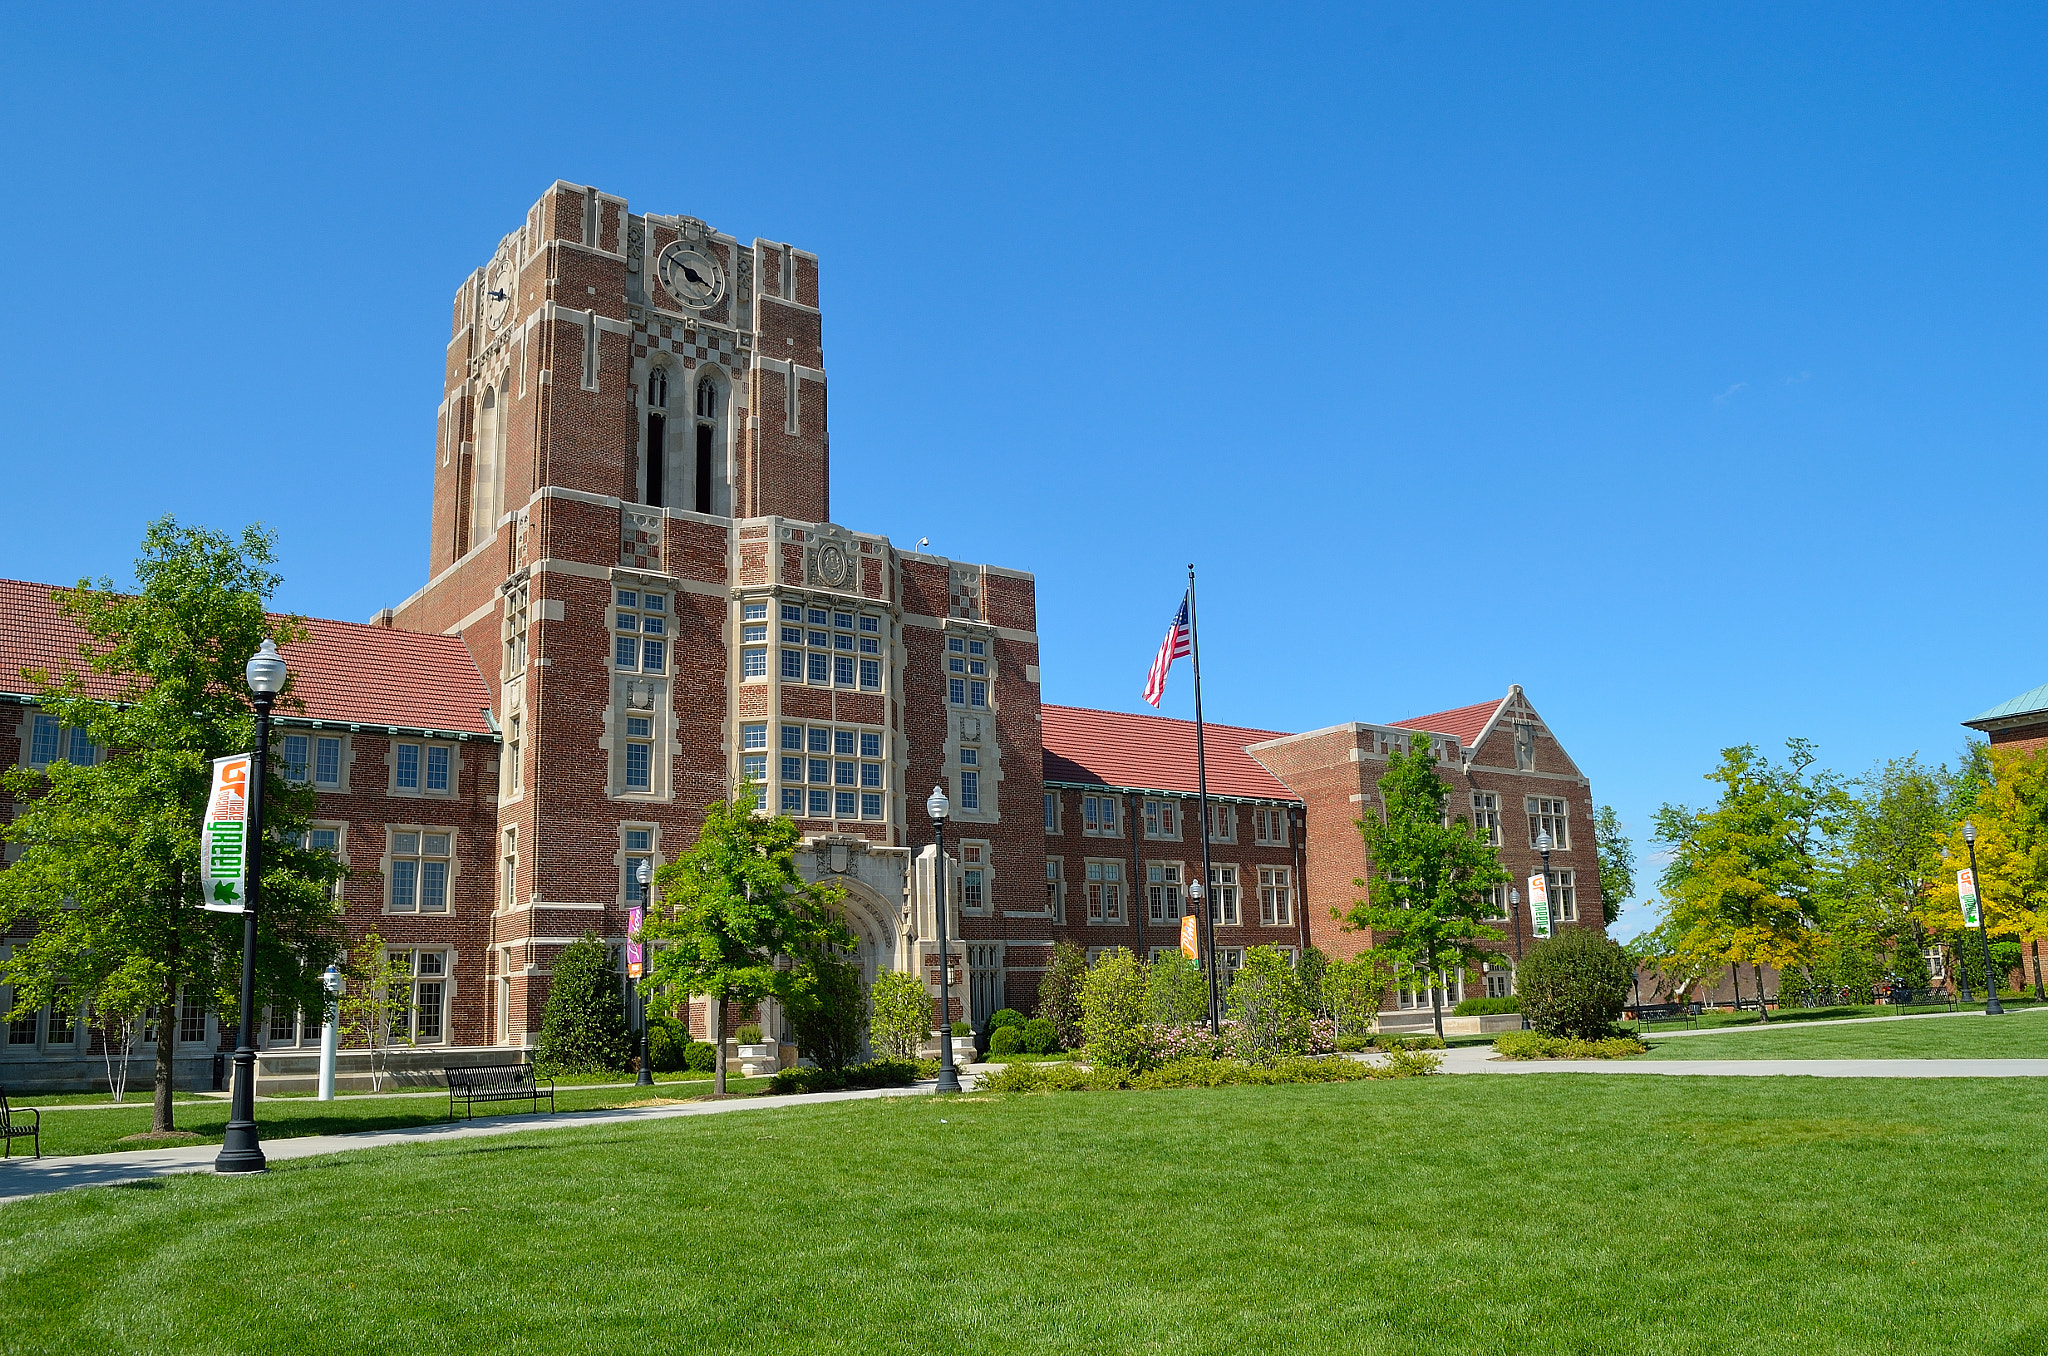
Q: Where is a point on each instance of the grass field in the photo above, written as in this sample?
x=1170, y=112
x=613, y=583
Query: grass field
x=1715, y=1017
x=100, y=1129
x=1583, y=1214
x=2019, y=1035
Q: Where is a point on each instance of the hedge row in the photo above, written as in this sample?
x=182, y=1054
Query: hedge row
x=876, y=1073
x=1207, y=1073
x=1536, y=1045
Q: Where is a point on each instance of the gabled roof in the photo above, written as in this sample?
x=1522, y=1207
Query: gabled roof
x=343, y=672
x=1153, y=753
x=1464, y=724
x=2030, y=703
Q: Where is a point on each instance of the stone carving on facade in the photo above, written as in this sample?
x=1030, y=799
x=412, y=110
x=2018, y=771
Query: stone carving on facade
x=963, y=586
x=832, y=560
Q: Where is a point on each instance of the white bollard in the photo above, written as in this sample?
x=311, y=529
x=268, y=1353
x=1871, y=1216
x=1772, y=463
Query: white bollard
x=332, y=982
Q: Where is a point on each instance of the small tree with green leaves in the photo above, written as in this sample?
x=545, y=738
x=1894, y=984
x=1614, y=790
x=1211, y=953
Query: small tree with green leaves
x=1115, y=1009
x=1265, y=1001
x=1617, y=858
x=1354, y=990
x=1431, y=889
x=120, y=1005
x=828, y=1011
x=1309, y=970
x=376, y=1001
x=903, y=1014
x=1059, y=992
x=1178, y=991
x=730, y=906
x=107, y=880
x=583, y=1021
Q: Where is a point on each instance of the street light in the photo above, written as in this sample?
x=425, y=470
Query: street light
x=241, y=1149
x=1196, y=894
x=938, y=807
x=645, y=875
x=1515, y=913
x=1992, y=1008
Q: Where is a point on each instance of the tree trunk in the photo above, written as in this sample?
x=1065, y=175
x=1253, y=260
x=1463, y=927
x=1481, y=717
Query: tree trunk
x=166, y=1034
x=1436, y=1008
x=717, y=1024
x=1756, y=972
x=1735, y=978
x=2038, y=995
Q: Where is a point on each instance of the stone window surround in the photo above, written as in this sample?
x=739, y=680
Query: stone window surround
x=312, y=734
x=653, y=853
x=987, y=867
x=454, y=869
x=456, y=764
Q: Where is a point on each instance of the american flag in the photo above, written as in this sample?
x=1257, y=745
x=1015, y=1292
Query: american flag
x=1179, y=642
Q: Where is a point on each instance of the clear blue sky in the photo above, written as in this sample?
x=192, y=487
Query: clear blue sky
x=1683, y=364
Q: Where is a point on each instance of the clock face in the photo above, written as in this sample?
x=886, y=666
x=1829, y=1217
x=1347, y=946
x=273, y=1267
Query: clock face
x=691, y=275
x=498, y=284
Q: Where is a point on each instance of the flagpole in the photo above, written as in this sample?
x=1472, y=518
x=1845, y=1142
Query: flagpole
x=1209, y=905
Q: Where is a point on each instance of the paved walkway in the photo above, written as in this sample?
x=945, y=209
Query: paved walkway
x=24, y=1177
x=1479, y=1059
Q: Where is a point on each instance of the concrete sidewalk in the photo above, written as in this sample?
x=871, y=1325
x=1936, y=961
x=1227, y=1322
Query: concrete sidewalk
x=1479, y=1059
x=24, y=1177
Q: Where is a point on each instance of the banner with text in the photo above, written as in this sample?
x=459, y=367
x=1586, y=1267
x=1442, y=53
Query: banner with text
x=1966, y=891
x=636, y=954
x=1539, y=906
x=1190, y=939
x=224, y=836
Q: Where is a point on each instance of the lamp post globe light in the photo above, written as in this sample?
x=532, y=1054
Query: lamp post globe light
x=241, y=1149
x=645, y=876
x=938, y=807
x=1197, y=892
x=1992, y=1007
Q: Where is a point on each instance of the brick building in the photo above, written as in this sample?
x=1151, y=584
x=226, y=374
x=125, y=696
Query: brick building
x=636, y=599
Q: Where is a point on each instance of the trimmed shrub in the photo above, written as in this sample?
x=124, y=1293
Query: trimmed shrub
x=1003, y=1017
x=1037, y=1037
x=1059, y=993
x=1354, y=990
x=1574, y=984
x=1314, y=963
x=1354, y=1042
x=1266, y=1003
x=1387, y=1040
x=1405, y=1061
x=1205, y=1073
x=1005, y=1040
x=1114, y=1006
x=876, y=1073
x=1486, y=1007
x=583, y=1022
x=903, y=1014
x=1536, y=1045
x=828, y=1011
x=749, y=1034
x=666, y=1043
x=700, y=1057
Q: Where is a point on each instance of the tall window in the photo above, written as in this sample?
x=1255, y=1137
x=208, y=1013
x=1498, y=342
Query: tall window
x=1162, y=891
x=640, y=631
x=1105, y=892
x=508, y=871
x=488, y=487
x=1223, y=896
x=1548, y=816
x=518, y=612
x=327, y=840
x=1500, y=980
x=707, y=415
x=423, y=983
x=1276, y=896
x=973, y=876
x=970, y=779
x=63, y=1028
x=639, y=752
x=1098, y=816
x=1222, y=823
x=1564, y=896
x=515, y=730
x=1162, y=819
x=966, y=671
x=1052, y=812
x=639, y=845
x=1055, y=886
x=657, y=432
x=191, y=1019
x=1486, y=817
x=419, y=872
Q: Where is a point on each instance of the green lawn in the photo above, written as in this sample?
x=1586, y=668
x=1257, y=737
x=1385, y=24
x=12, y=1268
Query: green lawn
x=1715, y=1017
x=89, y=1131
x=2022, y=1035
x=1473, y=1214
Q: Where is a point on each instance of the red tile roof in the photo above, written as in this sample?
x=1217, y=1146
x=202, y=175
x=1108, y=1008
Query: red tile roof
x=1153, y=753
x=343, y=671
x=1465, y=723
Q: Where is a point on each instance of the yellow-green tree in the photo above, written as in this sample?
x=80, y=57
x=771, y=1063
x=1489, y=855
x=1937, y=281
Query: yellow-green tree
x=2007, y=802
x=1742, y=883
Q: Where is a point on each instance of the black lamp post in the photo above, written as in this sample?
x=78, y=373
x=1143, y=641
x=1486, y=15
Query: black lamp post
x=1515, y=913
x=1992, y=1007
x=645, y=875
x=1197, y=897
x=938, y=807
x=1549, y=902
x=241, y=1149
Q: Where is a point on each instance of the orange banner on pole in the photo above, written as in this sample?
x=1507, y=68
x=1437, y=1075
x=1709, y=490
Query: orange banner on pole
x=1190, y=939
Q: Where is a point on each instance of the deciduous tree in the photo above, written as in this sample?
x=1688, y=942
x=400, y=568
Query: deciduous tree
x=1617, y=856
x=1431, y=887
x=107, y=883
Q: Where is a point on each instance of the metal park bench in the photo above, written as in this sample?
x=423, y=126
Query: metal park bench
x=12, y=1127
x=1902, y=996
x=496, y=1083
x=1667, y=1012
